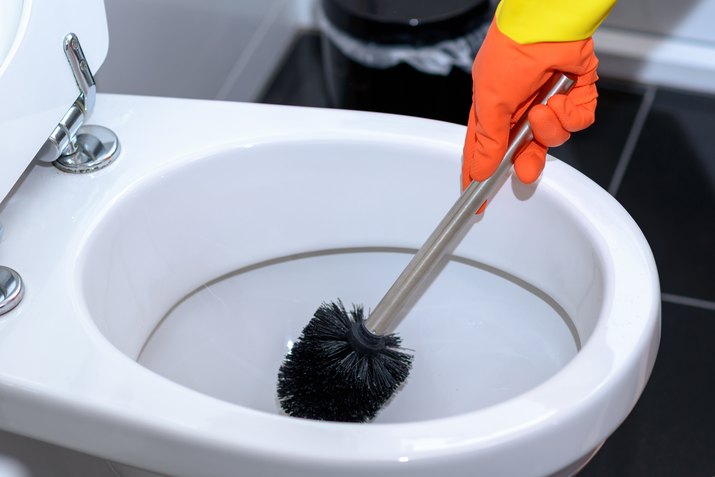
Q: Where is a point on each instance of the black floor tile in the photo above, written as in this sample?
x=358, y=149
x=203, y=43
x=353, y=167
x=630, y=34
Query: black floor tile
x=669, y=189
x=595, y=151
x=671, y=431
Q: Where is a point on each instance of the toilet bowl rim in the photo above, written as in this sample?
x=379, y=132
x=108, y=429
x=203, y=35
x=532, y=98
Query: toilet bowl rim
x=571, y=373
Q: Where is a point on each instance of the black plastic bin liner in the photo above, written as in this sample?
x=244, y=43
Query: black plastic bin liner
x=409, y=57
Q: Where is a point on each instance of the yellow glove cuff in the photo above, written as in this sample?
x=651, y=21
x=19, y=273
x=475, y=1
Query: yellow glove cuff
x=535, y=21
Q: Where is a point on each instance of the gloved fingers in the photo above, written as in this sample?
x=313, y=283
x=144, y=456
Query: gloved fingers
x=468, y=154
x=530, y=162
x=577, y=109
x=546, y=125
x=466, y=179
x=553, y=123
x=527, y=165
x=492, y=139
x=485, y=143
x=468, y=150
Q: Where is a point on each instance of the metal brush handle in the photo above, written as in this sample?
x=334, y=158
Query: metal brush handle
x=382, y=320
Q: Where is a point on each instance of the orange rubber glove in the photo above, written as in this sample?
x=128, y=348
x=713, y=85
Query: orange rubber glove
x=507, y=76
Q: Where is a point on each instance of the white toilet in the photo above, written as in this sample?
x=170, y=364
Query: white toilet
x=148, y=304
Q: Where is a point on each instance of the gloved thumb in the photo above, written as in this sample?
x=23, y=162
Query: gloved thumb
x=553, y=123
x=529, y=163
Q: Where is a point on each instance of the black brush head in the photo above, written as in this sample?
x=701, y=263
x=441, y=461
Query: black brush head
x=338, y=370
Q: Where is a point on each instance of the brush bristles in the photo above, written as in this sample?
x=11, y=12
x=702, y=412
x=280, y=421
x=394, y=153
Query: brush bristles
x=339, y=371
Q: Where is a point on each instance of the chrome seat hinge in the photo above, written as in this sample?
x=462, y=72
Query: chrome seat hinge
x=72, y=147
x=82, y=74
x=11, y=289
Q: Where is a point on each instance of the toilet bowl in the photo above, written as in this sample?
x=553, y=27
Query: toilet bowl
x=162, y=292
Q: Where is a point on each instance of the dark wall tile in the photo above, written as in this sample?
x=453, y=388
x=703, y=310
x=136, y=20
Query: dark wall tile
x=671, y=431
x=669, y=189
x=300, y=81
x=595, y=151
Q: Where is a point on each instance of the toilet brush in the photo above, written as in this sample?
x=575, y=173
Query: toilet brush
x=344, y=367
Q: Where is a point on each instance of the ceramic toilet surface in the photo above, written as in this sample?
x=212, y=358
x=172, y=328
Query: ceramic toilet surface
x=37, y=86
x=9, y=24
x=250, y=208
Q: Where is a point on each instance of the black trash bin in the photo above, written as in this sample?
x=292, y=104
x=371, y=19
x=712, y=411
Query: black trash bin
x=408, y=57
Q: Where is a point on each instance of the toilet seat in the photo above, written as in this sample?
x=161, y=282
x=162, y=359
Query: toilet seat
x=37, y=86
x=9, y=24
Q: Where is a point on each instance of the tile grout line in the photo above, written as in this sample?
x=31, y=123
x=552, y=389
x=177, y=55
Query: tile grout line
x=632, y=139
x=111, y=468
x=688, y=301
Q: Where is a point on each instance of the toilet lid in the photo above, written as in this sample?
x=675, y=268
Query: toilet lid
x=37, y=86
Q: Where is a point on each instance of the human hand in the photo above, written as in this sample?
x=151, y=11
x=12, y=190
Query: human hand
x=507, y=77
